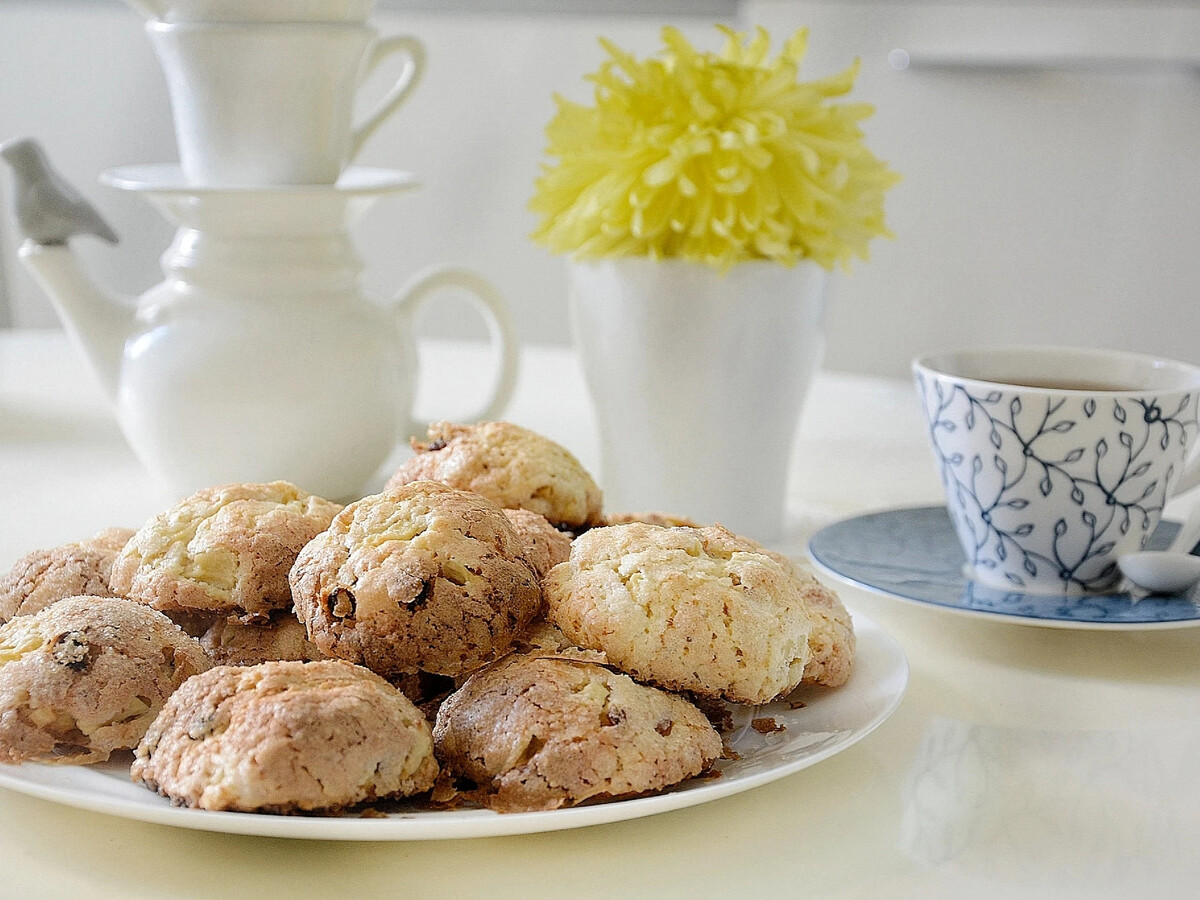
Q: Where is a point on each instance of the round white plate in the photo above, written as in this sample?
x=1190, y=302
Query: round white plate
x=913, y=555
x=829, y=722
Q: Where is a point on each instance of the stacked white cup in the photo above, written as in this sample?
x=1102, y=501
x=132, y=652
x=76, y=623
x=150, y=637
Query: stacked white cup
x=262, y=91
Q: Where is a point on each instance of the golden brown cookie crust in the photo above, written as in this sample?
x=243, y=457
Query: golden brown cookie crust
x=667, y=520
x=831, y=643
x=224, y=551
x=542, y=733
x=543, y=638
x=511, y=466
x=421, y=578
x=285, y=737
x=72, y=570
x=692, y=609
x=545, y=546
x=283, y=637
x=86, y=676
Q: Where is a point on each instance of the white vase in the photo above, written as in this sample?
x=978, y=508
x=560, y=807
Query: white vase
x=698, y=378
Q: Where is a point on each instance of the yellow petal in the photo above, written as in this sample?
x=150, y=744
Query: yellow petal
x=715, y=157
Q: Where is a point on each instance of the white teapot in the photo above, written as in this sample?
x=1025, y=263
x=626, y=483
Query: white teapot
x=258, y=357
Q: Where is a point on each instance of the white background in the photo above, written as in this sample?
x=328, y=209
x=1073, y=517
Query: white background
x=1048, y=151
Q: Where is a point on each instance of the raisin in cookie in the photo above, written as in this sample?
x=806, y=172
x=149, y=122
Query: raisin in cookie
x=283, y=637
x=510, y=465
x=695, y=609
x=224, y=551
x=86, y=676
x=421, y=578
x=72, y=570
x=286, y=737
x=545, y=546
x=541, y=733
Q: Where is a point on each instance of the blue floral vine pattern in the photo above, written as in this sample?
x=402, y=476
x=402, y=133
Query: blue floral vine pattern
x=1107, y=492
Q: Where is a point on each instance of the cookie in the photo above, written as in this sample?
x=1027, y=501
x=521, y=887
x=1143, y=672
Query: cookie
x=86, y=676
x=831, y=642
x=285, y=737
x=544, y=639
x=224, y=551
x=545, y=546
x=667, y=520
x=511, y=466
x=692, y=609
x=283, y=637
x=193, y=623
x=424, y=578
x=427, y=692
x=72, y=570
x=543, y=733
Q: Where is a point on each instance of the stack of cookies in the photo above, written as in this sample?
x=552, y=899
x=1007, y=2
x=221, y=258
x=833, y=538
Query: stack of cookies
x=262, y=649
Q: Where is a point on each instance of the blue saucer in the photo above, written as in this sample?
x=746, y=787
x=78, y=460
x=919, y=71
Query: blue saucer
x=912, y=554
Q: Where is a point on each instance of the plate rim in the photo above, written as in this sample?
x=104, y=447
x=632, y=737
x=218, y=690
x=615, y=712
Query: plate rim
x=464, y=824
x=984, y=614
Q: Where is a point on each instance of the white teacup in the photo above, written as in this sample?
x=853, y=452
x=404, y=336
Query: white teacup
x=271, y=104
x=349, y=11
x=1057, y=461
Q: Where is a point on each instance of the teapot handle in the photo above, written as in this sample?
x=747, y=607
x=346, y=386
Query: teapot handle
x=494, y=312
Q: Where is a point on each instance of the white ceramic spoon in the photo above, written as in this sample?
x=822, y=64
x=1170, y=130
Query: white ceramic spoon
x=1170, y=571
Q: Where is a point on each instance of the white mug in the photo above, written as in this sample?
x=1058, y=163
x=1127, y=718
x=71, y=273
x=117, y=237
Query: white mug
x=271, y=104
x=1056, y=461
x=349, y=11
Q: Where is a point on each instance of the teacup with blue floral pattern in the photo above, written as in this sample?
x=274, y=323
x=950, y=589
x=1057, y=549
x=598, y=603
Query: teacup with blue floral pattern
x=1056, y=461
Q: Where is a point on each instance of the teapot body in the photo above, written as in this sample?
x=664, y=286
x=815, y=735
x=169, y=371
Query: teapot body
x=310, y=391
x=259, y=358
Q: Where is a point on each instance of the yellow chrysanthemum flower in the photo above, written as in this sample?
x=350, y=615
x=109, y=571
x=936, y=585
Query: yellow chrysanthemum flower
x=716, y=158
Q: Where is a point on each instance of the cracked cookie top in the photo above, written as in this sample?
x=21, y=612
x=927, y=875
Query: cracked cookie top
x=86, y=676
x=286, y=737
x=543, y=732
x=511, y=466
x=695, y=609
x=420, y=578
x=47, y=576
x=223, y=551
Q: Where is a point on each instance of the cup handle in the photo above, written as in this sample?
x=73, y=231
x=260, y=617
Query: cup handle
x=405, y=84
x=1190, y=476
x=494, y=312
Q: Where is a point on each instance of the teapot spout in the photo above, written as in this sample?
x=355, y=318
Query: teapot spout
x=49, y=211
x=96, y=322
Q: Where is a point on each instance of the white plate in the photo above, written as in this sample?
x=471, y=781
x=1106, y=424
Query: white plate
x=830, y=722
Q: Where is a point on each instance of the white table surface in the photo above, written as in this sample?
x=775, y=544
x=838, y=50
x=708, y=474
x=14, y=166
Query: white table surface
x=1023, y=761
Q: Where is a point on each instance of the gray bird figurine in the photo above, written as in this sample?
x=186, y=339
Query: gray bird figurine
x=47, y=209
